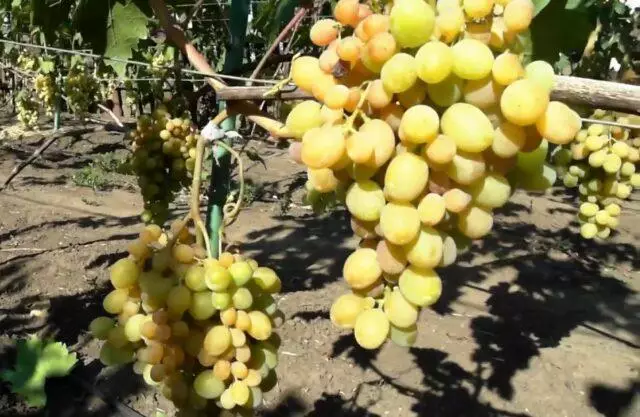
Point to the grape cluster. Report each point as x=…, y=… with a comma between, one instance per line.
x=47, y=91
x=198, y=328
x=81, y=89
x=130, y=97
x=601, y=163
x=27, y=108
x=425, y=121
x=163, y=158
x=27, y=62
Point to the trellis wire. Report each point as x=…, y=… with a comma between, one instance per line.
x=132, y=62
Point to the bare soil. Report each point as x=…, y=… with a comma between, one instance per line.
x=533, y=322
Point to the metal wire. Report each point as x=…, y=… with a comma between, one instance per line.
x=132, y=62
x=608, y=123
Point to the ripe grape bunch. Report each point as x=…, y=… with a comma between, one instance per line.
x=425, y=120
x=164, y=158
x=27, y=109
x=200, y=329
x=80, y=88
x=47, y=91
x=601, y=163
x=131, y=97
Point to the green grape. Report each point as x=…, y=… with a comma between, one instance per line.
x=406, y=177
x=261, y=327
x=220, y=300
x=588, y=209
x=114, y=301
x=399, y=311
x=303, y=117
x=425, y=250
x=241, y=273
x=411, y=22
x=492, y=191
x=201, y=307
x=399, y=222
x=101, y=326
x=588, y=230
x=267, y=279
x=208, y=386
x=612, y=163
x=178, y=299
x=124, y=273
x=627, y=169
x=541, y=73
x=365, y=200
x=216, y=276
x=466, y=167
x=446, y=92
x=194, y=278
x=398, y=74
x=434, y=62
x=634, y=180
x=472, y=59
x=405, y=337
x=468, y=126
x=242, y=298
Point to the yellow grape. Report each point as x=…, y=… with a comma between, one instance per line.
x=267, y=279
x=391, y=258
x=449, y=250
x=593, y=142
x=323, y=32
x=303, y=117
x=603, y=232
x=477, y=9
x=507, y=68
x=518, y=15
x=441, y=151
x=124, y=273
x=383, y=139
x=216, y=276
x=239, y=370
x=362, y=229
x=588, y=230
x=349, y=48
x=365, y=200
x=337, y=96
x=623, y=191
x=419, y=124
x=260, y=325
x=483, y=94
x=241, y=272
x=101, y=326
x=524, y=102
x=405, y=337
x=183, y=253
x=377, y=96
x=456, y=200
x=217, y=340
x=323, y=83
x=447, y=92
x=361, y=269
x=133, y=327
x=359, y=148
x=627, y=169
x=450, y=22
x=304, y=72
x=240, y=392
x=431, y=209
x=115, y=300
x=323, y=180
x=475, y=222
x=412, y=22
x=324, y=148
x=612, y=163
x=327, y=60
x=420, y=286
x=425, y=251
x=413, y=96
x=398, y=74
x=151, y=233
x=371, y=328
x=194, y=278
x=434, y=62
x=621, y=149
x=178, y=300
x=613, y=209
x=345, y=309
x=479, y=30
x=491, y=192
x=405, y=178
x=498, y=33
x=472, y=59
x=360, y=172
x=400, y=312
x=468, y=126
x=374, y=24
x=588, y=209
x=380, y=48
x=399, y=223
x=508, y=139
x=602, y=217
x=465, y=168
x=559, y=124
x=541, y=73
x=112, y=356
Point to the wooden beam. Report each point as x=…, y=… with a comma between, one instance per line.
x=257, y=93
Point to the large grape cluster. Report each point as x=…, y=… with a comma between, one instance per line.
x=81, y=89
x=425, y=120
x=601, y=163
x=47, y=91
x=27, y=108
x=163, y=158
x=198, y=328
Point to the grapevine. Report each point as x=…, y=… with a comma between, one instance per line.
x=47, y=91
x=198, y=328
x=426, y=120
x=80, y=88
x=27, y=108
x=601, y=163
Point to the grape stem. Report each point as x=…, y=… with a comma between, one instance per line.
x=348, y=127
x=201, y=232
x=230, y=210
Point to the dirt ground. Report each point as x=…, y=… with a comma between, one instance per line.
x=533, y=321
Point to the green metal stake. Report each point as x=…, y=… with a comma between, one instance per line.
x=220, y=170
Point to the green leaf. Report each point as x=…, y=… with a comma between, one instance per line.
x=50, y=16
x=128, y=24
x=46, y=66
x=558, y=30
x=540, y=4
x=35, y=362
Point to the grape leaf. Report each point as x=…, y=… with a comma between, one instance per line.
x=36, y=361
x=127, y=25
x=540, y=4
